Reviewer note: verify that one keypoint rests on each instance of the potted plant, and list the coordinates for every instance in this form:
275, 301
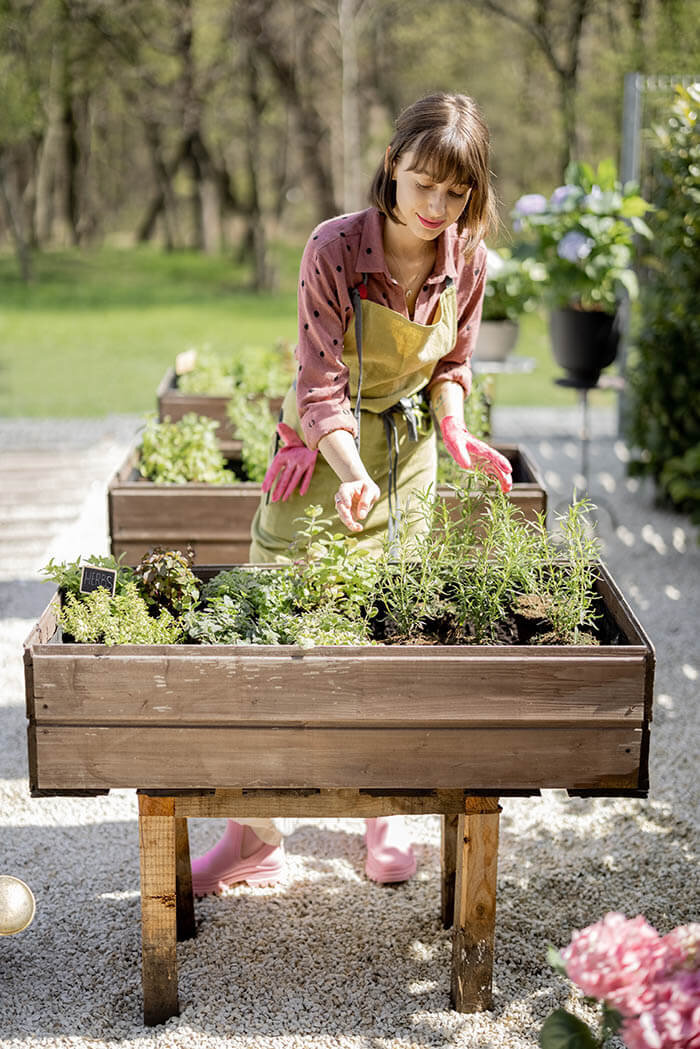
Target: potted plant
584, 235
511, 290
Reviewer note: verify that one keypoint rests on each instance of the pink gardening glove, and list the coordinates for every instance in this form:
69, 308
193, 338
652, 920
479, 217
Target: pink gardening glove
468, 451
293, 465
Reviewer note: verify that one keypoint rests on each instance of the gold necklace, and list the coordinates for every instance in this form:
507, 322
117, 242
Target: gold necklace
416, 279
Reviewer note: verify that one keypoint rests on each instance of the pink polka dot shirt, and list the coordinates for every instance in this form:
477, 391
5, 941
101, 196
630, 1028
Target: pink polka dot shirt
337, 254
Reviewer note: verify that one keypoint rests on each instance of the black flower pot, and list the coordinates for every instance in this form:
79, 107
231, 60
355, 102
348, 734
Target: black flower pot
584, 342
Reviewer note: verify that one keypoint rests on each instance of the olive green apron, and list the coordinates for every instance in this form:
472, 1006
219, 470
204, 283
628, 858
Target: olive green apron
397, 359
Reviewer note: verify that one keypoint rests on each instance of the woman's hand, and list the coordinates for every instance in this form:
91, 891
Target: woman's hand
354, 500
468, 451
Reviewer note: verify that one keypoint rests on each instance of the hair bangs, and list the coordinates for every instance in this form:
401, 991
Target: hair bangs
446, 156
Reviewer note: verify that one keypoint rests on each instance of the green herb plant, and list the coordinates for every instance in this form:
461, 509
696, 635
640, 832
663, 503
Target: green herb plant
167, 581
99, 618
66, 574
254, 369
182, 451
254, 424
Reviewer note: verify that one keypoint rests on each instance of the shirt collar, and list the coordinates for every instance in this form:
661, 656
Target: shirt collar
370, 254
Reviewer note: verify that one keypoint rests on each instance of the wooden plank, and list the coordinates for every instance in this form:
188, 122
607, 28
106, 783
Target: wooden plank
448, 867
475, 906
186, 928
74, 757
158, 909
315, 803
336, 689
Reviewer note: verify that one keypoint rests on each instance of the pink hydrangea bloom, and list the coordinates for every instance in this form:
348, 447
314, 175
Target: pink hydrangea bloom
652, 980
614, 959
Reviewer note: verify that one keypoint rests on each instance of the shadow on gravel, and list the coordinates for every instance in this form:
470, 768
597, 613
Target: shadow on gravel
24, 598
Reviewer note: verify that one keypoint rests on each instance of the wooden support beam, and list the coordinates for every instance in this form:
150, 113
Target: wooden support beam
475, 905
157, 847
448, 868
186, 928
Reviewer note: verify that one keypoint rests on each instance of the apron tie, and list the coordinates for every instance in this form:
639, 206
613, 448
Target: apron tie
406, 406
357, 294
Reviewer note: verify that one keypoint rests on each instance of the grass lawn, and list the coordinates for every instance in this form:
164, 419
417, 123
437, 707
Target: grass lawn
96, 331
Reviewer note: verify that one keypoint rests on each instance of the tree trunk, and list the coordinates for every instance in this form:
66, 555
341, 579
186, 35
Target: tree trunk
12, 212
255, 22
353, 196
256, 237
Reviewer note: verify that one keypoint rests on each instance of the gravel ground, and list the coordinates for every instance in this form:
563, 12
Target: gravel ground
329, 959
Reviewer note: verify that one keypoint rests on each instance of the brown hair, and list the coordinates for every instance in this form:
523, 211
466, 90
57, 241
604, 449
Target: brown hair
450, 140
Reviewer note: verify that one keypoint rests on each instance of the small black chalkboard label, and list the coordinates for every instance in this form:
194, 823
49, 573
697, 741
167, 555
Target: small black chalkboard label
92, 577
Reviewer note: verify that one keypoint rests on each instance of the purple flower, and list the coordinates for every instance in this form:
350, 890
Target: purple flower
575, 246
531, 204
563, 194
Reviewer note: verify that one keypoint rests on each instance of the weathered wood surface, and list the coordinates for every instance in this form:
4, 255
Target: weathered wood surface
157, 847
449, 826
88, 757
475, 905
316, 802
343, 690
186, 928
216, 519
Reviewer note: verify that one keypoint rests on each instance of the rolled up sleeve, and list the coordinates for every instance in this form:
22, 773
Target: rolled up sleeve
323, 398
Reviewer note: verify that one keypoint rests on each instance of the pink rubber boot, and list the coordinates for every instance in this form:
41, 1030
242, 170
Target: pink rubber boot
389, 854
238, 856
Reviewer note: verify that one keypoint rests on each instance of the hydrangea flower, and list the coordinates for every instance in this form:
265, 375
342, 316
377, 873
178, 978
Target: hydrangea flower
651, 981
562, 195
575, 246
531, 204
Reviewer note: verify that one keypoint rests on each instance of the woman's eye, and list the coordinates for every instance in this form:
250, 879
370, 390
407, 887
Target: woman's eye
421, 186
454, 193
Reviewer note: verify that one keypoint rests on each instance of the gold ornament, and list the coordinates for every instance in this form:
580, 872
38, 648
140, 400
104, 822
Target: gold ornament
17, 905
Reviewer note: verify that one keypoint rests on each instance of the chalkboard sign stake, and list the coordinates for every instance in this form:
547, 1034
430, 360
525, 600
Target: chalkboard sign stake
93, 576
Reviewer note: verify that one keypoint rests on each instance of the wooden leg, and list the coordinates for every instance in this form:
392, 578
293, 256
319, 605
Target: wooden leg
448, 864
158, 908
475, 905
186, 928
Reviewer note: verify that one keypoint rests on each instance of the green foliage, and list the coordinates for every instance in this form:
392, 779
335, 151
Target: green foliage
255, 369
167, 581
563, 1030
664, 368
512, 286
66, 574
186, 450
584, 235
99, 618
242, 606
254, 424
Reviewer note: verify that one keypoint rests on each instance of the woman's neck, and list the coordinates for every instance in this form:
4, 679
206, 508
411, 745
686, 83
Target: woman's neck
401, 244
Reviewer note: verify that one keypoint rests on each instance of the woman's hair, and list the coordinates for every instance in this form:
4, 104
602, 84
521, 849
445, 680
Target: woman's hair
450, 141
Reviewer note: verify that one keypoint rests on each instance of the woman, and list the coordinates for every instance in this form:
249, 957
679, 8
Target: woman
389, 307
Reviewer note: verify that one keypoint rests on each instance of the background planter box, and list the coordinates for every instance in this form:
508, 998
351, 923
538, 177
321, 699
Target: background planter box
493, 719
174, 404
215, 519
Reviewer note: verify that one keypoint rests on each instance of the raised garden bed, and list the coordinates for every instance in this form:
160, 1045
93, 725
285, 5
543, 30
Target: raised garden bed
174, 404
484, 718
233, 730
215, 520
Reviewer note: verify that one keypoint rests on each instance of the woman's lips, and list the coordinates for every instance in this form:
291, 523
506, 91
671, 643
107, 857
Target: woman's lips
428, 224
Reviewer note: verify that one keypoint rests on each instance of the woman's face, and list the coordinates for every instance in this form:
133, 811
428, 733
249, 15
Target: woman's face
426, 207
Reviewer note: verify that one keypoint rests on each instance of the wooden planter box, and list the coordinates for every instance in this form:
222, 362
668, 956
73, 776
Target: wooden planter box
174, 404
215, 519
212, 731
483, 718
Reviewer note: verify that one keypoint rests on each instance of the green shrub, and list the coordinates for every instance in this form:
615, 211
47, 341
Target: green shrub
99, 618
663, 423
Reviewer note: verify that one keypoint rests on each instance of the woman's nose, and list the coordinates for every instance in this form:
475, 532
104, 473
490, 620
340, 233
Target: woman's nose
437, 203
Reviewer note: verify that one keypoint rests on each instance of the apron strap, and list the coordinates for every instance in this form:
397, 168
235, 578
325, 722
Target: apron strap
357, 294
